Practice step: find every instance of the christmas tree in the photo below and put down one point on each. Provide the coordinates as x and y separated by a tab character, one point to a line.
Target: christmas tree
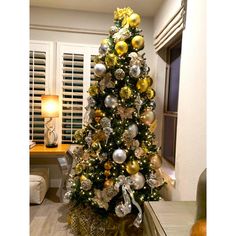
116	162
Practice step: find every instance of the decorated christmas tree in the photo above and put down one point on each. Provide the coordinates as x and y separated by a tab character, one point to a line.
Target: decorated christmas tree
116	162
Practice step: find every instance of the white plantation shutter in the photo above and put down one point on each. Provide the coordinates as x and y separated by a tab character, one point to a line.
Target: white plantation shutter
39	75
74	76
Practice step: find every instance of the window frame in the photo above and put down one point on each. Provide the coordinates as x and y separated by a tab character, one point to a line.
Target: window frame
88	50
166	113
47	47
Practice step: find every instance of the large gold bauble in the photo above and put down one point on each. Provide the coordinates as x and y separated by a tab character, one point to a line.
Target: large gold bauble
93	90
132	167
142	85
148	117
108	183
137	42
111	59
78	168
134	20
125	92
155	162
150	93
121	48
107	165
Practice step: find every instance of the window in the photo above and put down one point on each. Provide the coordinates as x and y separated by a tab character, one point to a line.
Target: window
39	77
75	63
171	101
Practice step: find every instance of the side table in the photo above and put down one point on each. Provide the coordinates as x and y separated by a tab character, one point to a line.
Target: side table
64	159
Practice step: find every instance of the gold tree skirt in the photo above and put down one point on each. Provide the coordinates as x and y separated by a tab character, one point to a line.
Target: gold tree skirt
84	222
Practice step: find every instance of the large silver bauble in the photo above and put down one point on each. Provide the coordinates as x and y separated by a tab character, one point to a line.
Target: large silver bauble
134	71
110	101
138	180
119	74
148	117
133	130
99	69
103	49
119	156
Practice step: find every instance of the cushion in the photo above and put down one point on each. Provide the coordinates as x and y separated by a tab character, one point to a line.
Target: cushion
39	183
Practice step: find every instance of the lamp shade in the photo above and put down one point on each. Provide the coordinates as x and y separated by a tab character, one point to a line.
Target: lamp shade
49	106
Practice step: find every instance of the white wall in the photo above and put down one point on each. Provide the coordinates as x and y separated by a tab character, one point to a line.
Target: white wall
191	126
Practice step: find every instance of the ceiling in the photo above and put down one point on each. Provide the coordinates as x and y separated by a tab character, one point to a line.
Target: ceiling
142	7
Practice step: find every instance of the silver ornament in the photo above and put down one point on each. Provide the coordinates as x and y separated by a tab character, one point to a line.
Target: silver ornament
105	122
110	101
122	210
67	197
134	71
133	130
113	30
138	180
138	103
154	181
103	49
99	69
86	184
119	156
119	74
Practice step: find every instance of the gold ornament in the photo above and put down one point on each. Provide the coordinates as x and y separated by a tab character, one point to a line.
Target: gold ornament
121	48
149	79
132	167
142	85
108	183
134	20
108	165
93	90
82	178
105	42
155	162
137	42
107	173
150	93
95	146
98	115
123	14
125	113
148	117
111	59
78	168
125	92
99	135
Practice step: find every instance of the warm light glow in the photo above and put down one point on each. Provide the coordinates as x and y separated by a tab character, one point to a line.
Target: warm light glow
49	106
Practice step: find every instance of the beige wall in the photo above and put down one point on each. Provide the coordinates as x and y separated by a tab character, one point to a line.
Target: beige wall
191	126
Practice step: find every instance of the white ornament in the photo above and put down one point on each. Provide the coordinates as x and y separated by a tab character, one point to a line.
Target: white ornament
119	156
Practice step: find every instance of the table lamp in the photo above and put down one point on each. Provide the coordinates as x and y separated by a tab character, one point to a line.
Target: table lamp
50	109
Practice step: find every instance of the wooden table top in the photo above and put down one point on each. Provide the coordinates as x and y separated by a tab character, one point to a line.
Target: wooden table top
61	149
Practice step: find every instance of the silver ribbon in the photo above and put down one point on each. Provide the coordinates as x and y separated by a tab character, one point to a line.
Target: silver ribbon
126	182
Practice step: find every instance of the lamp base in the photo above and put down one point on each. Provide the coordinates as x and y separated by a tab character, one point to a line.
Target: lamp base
53	145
